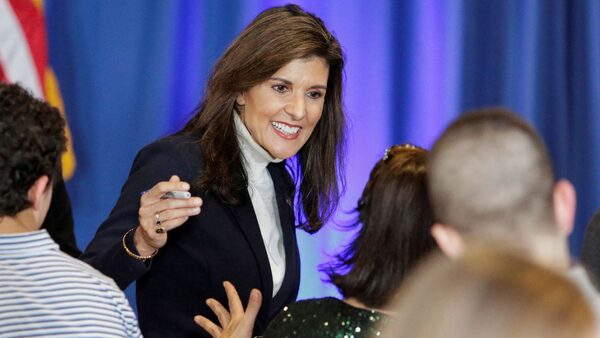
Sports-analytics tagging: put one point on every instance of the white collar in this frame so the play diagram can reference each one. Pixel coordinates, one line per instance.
(256, 158)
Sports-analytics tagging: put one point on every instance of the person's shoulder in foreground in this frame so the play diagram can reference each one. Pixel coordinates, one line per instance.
(48, 293)
(43, 291)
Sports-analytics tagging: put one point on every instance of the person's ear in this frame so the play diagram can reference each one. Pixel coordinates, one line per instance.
(37, 190)
(448, 240)
(240, 99)
(565, 201)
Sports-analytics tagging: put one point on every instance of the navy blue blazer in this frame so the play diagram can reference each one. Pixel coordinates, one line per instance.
(222, 243)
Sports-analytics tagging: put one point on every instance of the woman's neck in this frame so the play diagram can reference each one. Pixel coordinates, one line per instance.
(358, 304)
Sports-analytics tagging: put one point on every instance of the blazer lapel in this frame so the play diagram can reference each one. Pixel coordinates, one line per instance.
(246, 219)
(291, 282)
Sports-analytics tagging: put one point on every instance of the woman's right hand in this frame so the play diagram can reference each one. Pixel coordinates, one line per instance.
(156, 213)
(235, 322)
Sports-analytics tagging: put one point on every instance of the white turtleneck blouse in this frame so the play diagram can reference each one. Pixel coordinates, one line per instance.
(262, 194)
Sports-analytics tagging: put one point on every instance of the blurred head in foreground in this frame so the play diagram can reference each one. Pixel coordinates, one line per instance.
(491, 179)
(488, 293)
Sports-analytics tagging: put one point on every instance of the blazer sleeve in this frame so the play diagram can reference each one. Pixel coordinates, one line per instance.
(155, 163)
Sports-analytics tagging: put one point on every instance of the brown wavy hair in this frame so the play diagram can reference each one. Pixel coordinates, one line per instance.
(395, 219)
(275, 37)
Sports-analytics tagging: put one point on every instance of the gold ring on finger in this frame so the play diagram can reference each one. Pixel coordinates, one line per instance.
(157, 221)
(160, 230)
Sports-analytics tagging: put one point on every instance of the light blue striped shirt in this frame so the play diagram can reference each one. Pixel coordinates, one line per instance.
(45, 293)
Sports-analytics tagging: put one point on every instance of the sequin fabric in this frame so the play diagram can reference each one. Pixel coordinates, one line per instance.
(327, 318)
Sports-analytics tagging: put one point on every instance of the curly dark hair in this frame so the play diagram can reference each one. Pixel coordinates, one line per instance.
(32, 139)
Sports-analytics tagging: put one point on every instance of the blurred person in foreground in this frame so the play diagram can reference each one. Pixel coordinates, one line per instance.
(394, 222)
(44, 292)
(491, 181)
(493, 294)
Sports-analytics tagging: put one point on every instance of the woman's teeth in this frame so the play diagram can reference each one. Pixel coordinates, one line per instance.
(285, 128)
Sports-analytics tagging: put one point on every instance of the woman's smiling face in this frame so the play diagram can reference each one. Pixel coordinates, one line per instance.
(282, 112)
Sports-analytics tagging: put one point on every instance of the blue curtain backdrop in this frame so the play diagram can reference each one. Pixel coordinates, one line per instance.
(133, 71)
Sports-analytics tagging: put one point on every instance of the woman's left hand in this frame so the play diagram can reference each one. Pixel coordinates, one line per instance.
(234, 324)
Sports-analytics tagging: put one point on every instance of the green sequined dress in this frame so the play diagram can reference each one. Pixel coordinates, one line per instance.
(327, 318)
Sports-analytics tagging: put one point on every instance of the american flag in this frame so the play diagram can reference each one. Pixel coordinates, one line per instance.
(24, 58)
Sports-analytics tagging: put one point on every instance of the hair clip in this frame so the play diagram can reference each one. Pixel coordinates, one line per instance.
(389, 150)
(386, 155)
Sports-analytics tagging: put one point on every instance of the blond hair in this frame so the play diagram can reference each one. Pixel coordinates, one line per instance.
(492, 294)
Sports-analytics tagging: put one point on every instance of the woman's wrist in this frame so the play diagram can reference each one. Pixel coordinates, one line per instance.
(142, 247)
(126, 242)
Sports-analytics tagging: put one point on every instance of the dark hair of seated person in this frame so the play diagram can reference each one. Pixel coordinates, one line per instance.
(394, 220)
(32, 143)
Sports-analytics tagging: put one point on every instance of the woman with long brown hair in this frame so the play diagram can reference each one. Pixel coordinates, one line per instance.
(275, 94)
